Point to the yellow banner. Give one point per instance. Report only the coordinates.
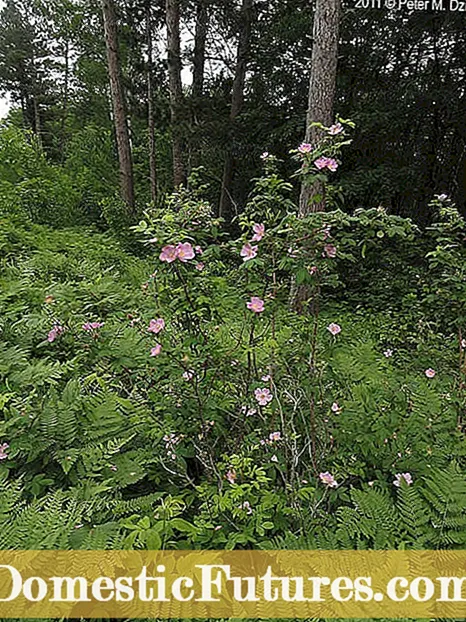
(238, 584)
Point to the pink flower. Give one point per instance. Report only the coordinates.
(263, 396)
(259, 232)
(184, 252)
(332, 164)
(169, 253)
(200, 266)
(313, 270)
(330, 250)
(406, 477)
(266, 378)
(231, 476)
(324, 162)
(335, 129)
(3, 451)
(198, 250)
(265, 155)
(248, 252)
(156, 350)
(275, 436)
(305, 148)
(256, 304)
(274, 458)
(334, 328)
(56, 331)
(188, 375)
(156, 326)
(335, 407)
(430, 373)
(90, 326)
(328, 479)
(388, 353)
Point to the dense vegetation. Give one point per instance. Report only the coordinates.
(172, 398)
(279, 379)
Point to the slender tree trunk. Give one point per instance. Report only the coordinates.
(118, 104)
(322, 87)
(64, 111)
(202, 25)
(150, 110)
(237, 100)
(176, 89)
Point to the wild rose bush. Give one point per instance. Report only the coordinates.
(178, 400)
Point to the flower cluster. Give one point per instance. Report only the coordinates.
(183, 251)
(328, 479)
(324, 162)
(92, 326)
(407, 478)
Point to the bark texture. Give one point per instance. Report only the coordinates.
(176, 89)
(322, 86)
(237, 100)
(150, 109)
(118, 104)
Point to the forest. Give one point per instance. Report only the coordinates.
(232, 275)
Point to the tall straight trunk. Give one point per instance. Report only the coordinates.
(237, 100)
(150, 110)
(64, 111)
(176, 89)
(118, 104)
(202, 25)
(321, 88)
(200, 38)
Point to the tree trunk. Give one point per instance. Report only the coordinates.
(64, 111)
(150, 110)
(237, 100)
(202, 25)
(176, 89)
(118, 104)
(321, 88)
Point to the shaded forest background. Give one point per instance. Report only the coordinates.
(401, 79)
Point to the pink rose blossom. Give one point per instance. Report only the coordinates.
(231, 476)
(259, 232)
(305, 148)
(200, 266)
(313, 270)
(156, 350)
(248, 252)
(330, 250)
(406, 477)
(256, 304)
(3, 451)
(90, 326)
(335, 129)
(56, 331)
(328, 479)
(334, 328)
(198, 250)
(335, 407)
(169, 253)
(275, 436)
(156, 326)
(324, 162)
(263, 396)
(388, 353)
(266, 378)
(430, 373)
(184, 252)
